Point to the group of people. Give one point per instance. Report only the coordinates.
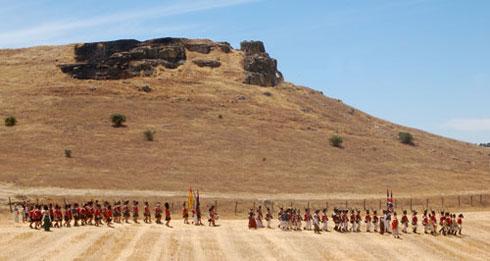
(97, 213)
(345, 220)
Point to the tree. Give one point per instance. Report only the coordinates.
(118, 120)
(10, 121)
(405, 138)
(336, 141)
(149, 134)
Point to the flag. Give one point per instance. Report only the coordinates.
(190, 199)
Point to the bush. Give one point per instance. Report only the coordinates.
(67, 153)
(10, 121)
(268, 94)
(118, 119)
(405, 138)
(149, 135)
(336, 141)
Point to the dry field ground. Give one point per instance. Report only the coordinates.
(233, 241)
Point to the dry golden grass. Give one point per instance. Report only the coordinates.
(233, 241)
(262, 144)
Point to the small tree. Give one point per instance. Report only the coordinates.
(149, 134)
(336, 141)
(68, 153)
(10, 121)
(405, 138)
(118, 120)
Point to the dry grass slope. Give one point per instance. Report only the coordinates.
(275, 143)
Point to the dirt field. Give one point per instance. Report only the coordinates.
(233, 241)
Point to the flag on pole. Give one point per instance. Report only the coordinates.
(190, 199)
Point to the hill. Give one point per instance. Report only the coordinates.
(215, 127)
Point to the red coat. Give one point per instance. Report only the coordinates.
(415, 220)
(394, 224)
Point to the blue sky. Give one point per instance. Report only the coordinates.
(421, 63)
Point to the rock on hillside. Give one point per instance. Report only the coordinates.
(130, 58)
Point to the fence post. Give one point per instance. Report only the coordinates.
(380, 204)
(364, 204)
(216, 204)
(236, 207)
(427, 203)
(10, 205)
(480, 199)
(308, 204)
(346, 204)
(411, 205)
(471, 200)
(254, 204)
(459, 201)
(291, 203)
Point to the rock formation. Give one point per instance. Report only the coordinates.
(207, 63)
(260, 68)
(129, 58)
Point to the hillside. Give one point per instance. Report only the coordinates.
(212, 131)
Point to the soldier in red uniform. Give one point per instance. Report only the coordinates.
(185, 213)
(68, 216)
(425, 222)
(375, 220)
(117, 212)
(252, 224)
(97, 215)
(108, 215)
(158, 213)
(394, 226)
(415, 221)
(460, 223)
(126, 212)
(368, 221)
(358, 221)
(58, 217)
(405, 222)
(147, 213)
(325, 220)
(135, 212)
(167, 214)
(352, 221)
(433, 223)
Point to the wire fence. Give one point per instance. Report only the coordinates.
(240, 207)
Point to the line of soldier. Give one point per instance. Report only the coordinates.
(49, 216)
(351, 221)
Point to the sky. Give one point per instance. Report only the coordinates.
(420, 63)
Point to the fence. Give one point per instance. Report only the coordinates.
(240, 207)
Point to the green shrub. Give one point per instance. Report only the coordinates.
(10, 121)
(405, 138)
(149, 135)
(336, 141)
(67, 153)
(118, 119)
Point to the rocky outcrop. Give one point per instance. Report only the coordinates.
(129, 58)
(207, 63)
(260, 68)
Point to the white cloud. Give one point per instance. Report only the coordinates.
(52, 29)
(481, 124)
